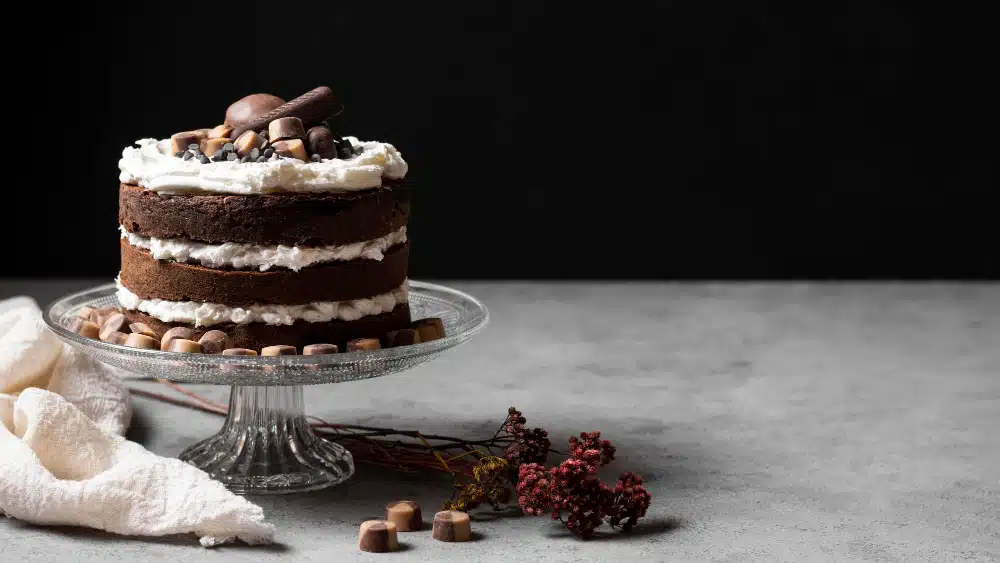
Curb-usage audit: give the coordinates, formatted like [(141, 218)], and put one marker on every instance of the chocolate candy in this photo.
[(402, 337), (85, 312), (293, 148), (215, 341), (429, 329), (137, 340), (251, 107), (176, 332), (184, 345), (179, 141), (319, 140), (249, 142), (359, 344), (115, 337), (220, 131), (378, 536), (278, 350), (98, 316), (451, 526), (239, 352), (320, 349), (285, 128), (211, 146), (84, 327), (141, 328), (114, 323), (405, 514), (312, 107)]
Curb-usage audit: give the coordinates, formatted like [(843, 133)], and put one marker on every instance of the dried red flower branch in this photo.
[(572, 487)]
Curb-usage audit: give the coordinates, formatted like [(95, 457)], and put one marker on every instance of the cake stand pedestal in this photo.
[(266, 445)]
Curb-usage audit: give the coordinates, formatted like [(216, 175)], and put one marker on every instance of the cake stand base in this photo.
[(267, 447)]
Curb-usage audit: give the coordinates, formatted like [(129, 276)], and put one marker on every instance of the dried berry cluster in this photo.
[(572, 487), (529, 446)]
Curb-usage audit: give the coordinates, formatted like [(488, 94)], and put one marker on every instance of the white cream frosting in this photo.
[(240, 255), (208, 314), (151, 166)]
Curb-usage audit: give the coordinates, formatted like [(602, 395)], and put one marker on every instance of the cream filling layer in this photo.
[(208, 314), (151, 166), (239, 255)]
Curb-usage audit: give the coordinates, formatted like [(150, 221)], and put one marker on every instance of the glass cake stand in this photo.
[(266, 445)]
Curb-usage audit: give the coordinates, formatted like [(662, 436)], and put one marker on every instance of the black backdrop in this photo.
[(549, 140)]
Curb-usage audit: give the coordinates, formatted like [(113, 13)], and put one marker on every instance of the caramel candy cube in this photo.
[(278, 350), (215, 341), (183, 345), (114, 323), (239, 352), (378, 536), (402, 337), (176, 332), (405, 514), (429, 329), (293, 148), (115, 337), (100, 315), (179, 141), (285, 128), (220, 131), (85, 312), (84, 327), (138, 340), (359, 344), (247, 142), (451, 526), (142, 328), (211, 146), (320, 349)]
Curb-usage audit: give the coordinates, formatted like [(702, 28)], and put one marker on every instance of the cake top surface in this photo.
[(265, 145)]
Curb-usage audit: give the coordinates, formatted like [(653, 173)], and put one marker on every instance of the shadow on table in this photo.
[(643, 530), (183, 540)]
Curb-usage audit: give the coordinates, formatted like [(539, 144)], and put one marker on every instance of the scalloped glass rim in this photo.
[(464, 317)]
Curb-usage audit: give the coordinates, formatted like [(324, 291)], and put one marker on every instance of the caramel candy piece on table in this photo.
[(215, 341), (139, 340), (176, 332), (220, 131), (239, 352), (378, 536), (319, 140), (429, 329), (251, 107), (115, 337), (248, 142), (85, 312), (359, 344), (84, 327), (179, 141), (278, 350), (100, 315), (211, 146), (285, 128), (452, 526), (402, 337), (405, 514), (312, 107), (142, 328), (320, 349), (114, 323), (294, 148), (183, 345)]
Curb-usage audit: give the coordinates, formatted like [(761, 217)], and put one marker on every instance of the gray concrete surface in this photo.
[(772, 423)]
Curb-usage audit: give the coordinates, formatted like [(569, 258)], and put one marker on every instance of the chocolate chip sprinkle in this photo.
[(315, 158), (268, 153), (188, 155), (228, 147), (245, 160), (203, 159), (254, 153), (231, 156), (179, 154)]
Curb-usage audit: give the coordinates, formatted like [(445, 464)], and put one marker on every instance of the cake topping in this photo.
[(251, 107), (176, 332), (210, 147), (182, 141), (215, 341), (363, 344), (319, 142), (312, 108), (220, 131), (292, 148), (249, 144)]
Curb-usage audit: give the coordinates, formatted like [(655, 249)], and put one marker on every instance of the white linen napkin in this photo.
[(63, 460)]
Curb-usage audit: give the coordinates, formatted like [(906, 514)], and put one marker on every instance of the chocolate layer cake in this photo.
[(287, 234)]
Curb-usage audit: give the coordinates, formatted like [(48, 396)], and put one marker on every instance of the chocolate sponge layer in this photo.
[(258, 335), (306, 219), (150, 278)]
